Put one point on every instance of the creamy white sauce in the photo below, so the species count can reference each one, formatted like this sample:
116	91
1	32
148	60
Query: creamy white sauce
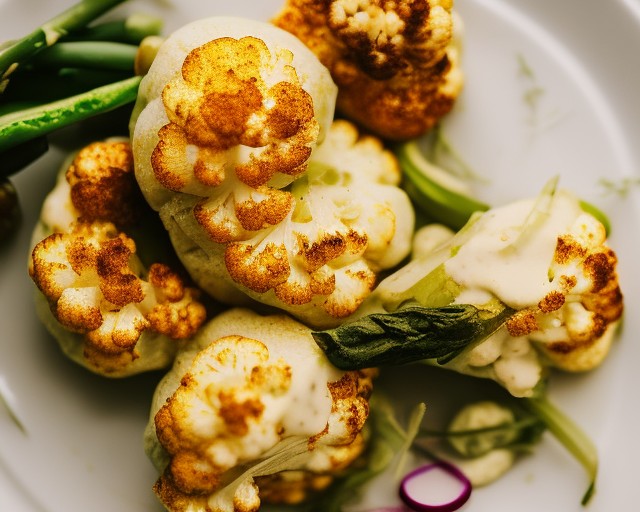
306	406
516	273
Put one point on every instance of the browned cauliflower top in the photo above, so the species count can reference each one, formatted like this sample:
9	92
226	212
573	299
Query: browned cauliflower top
230	93
339	224
96	288
574	324
110	308
395	63
102	183
97	182
265	396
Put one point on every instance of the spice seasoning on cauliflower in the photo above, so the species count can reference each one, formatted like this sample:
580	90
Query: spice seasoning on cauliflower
271	201
396	63
252	411
95	183
107	311
229	111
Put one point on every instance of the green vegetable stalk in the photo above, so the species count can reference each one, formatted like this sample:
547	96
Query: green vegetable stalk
442	196
74	18
88	55
572	437
88	69
24	125
132	30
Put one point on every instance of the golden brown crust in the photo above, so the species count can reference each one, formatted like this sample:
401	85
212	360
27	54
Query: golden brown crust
222	100
588	304
86	276
226	413
394	62
102	182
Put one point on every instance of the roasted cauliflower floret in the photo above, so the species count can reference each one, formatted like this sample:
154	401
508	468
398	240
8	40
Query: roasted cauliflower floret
571	327
256	207
98	183
101	305
574	324
396	64
348	220
230	118
546	260
253	396
107	309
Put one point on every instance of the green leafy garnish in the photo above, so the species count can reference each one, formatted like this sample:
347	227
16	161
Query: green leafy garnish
412	333
621	187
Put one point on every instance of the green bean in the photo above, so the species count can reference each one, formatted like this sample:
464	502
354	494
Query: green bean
87	54
76	17
23	125
132	29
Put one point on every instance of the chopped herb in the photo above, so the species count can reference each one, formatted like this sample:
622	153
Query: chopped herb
533	95
621	188
533	92
524	68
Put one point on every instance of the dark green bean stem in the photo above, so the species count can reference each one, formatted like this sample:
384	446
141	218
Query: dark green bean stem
25	125
132	29
26	86
88	54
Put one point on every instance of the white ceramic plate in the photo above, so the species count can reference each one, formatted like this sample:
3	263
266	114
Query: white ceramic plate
81	449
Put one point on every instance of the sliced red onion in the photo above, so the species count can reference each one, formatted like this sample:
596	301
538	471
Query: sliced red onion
439	486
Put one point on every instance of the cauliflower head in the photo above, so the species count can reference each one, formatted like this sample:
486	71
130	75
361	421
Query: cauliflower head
307	238
107	310
396	64
96	182
229	112
348	221
547	260
572	325
252	411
